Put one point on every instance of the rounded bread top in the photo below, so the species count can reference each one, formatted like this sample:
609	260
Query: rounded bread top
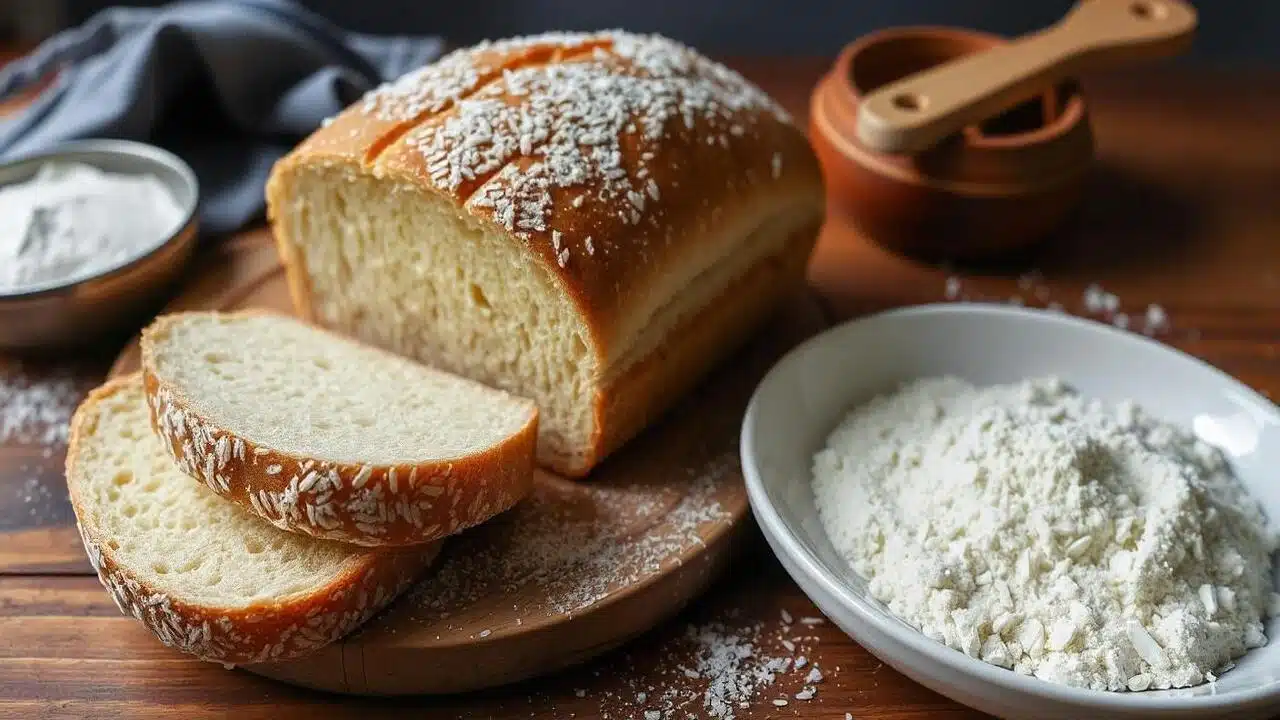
612	155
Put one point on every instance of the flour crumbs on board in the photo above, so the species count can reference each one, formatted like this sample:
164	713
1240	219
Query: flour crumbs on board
575	543
1051	534
571	545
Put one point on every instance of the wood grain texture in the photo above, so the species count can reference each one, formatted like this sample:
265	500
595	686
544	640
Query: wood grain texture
1182	212
71	637
576	568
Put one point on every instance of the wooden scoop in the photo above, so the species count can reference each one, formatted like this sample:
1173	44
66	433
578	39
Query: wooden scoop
913	114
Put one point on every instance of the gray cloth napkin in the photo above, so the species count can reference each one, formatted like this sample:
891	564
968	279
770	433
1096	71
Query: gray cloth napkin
228	85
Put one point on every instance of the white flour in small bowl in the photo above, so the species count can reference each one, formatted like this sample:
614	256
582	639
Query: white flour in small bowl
71	221
1036	530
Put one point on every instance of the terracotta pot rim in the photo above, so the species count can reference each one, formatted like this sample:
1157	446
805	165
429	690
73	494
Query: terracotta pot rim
888	167
1073	109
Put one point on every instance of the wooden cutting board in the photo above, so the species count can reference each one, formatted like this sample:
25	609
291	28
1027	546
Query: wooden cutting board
573	571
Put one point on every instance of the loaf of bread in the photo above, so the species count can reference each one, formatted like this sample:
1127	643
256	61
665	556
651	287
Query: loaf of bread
321	435
202	574
588	220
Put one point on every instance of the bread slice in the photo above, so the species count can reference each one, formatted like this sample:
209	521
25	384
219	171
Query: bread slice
590	220
202	574
321	435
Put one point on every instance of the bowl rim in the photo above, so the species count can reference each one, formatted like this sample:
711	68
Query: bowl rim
782	535
153	154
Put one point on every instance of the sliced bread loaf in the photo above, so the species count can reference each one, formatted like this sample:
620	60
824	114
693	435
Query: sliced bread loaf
590	220
321	435
202	574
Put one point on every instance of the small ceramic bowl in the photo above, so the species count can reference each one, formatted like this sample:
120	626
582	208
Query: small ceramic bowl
999	187
803	398
59	315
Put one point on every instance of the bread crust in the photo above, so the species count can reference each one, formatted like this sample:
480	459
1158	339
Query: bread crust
372	505
649	388
619	252
286	627
619	255
355	138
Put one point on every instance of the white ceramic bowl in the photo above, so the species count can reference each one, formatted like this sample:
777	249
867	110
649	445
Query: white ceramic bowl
807	393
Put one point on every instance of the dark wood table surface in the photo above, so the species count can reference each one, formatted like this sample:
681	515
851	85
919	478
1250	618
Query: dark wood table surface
1184	212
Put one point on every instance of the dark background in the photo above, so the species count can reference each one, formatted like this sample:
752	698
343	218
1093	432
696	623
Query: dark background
1231	31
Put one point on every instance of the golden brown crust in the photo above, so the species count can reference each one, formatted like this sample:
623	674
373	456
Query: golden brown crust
287	627
628	404
354	139
370	505
616	161
390	110
618	246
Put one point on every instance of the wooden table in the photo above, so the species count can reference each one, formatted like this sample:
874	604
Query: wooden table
1184	212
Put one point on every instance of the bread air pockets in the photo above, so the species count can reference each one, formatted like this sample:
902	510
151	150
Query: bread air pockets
320	435
204	576
198	483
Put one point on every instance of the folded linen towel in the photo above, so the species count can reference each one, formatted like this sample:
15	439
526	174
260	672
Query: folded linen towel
228	85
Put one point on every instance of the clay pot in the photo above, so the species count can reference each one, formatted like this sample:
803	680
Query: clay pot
997	187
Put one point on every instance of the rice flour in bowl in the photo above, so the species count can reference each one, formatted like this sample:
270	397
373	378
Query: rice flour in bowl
811	391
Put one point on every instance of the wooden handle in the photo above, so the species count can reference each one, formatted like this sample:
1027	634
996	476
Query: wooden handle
913	114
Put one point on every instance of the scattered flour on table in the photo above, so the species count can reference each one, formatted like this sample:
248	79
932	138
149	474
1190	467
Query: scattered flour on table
1094	301
72	220
1040	531
36	408
41	496
721	669
1097	300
